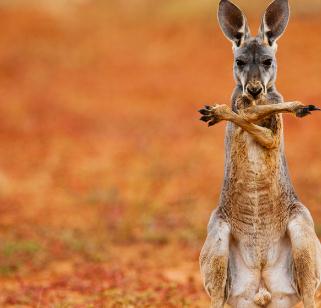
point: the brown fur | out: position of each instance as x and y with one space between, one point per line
260 227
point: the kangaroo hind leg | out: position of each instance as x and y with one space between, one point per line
214 261
306 256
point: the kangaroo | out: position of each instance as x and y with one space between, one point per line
261 249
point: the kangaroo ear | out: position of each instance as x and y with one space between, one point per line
274 21
233 22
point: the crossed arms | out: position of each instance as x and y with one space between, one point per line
247 117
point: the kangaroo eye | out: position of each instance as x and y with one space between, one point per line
240 63
267 62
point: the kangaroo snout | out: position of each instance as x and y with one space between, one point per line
254 88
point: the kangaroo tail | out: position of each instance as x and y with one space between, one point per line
262 297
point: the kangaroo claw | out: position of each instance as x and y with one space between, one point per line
306 110
213 121
204 112
313 108
205 118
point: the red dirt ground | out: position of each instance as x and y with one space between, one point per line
107 177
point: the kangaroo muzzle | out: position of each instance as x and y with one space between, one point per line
254 88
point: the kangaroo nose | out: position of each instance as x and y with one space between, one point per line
254 90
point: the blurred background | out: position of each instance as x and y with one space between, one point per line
107 177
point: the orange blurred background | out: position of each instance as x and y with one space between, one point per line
107 177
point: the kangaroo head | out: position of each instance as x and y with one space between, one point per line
254 56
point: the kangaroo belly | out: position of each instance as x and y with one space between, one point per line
248 276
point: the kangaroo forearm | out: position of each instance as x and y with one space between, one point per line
262 135
259 112
216 113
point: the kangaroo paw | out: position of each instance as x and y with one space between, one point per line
306 110
214 114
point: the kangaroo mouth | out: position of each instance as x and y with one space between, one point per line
255 89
